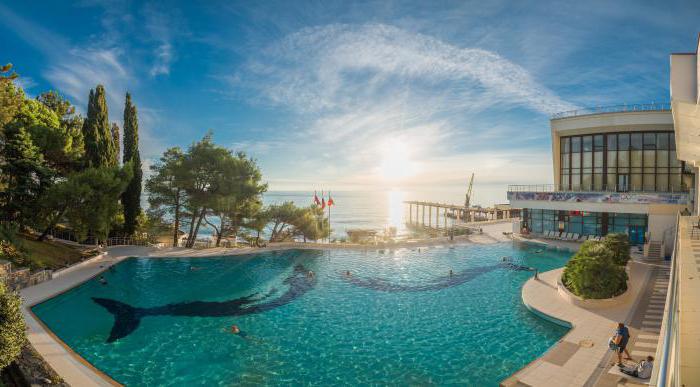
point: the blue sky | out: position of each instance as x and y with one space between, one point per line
354 95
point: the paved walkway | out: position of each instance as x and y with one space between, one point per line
644 326
576 358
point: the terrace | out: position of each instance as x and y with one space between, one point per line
624 108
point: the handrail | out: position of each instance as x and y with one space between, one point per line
554 188
668 325
636 107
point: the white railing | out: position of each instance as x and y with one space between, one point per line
554 188
637 107
667 354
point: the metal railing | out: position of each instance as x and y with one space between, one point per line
667 353
555 188
637 107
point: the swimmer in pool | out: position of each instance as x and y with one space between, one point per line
103 281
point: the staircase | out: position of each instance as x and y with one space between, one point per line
654 250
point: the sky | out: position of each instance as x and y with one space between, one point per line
363 95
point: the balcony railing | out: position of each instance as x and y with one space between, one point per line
620 189
639 107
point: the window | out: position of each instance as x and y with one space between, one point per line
647 159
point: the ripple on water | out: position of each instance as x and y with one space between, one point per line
475 332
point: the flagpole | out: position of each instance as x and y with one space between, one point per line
329 220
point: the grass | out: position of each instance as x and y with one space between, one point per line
50 255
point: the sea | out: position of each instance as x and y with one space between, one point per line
378 210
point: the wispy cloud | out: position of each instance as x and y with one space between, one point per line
160 27
359 88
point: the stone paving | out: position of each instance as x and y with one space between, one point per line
578 358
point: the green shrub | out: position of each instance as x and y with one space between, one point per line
9 252
12 328
619 244
593 274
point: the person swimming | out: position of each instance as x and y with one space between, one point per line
347 273
310 274
451 273
103 281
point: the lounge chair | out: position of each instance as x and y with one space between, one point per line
575 237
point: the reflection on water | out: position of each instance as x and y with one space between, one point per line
397 211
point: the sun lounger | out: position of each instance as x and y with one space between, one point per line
575 237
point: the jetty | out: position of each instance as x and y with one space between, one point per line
442 216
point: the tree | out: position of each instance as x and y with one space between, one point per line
239 196
71 134
99 146
619 244
13 336
592 272
23 173
132 196
115 141
165 187
61 146
257 223
283 218
11 96
205 168
95 200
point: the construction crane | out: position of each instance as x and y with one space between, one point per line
468 198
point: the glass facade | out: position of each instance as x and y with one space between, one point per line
586 223
630 161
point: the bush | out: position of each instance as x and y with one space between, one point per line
619 244
12 329
593 274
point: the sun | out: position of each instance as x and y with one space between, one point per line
396 163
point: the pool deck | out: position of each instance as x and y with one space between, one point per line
76 371
573 361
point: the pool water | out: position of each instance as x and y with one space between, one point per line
399 318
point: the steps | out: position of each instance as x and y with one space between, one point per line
654 251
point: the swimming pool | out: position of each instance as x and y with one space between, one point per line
398 318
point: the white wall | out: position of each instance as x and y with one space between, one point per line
658 226
684 77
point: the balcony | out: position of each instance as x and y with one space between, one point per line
617 195
640 107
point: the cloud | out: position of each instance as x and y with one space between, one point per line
317 69
83 68
358 89
163 57
160 26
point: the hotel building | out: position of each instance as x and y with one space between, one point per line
616 170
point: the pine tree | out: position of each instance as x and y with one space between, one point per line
99 146
131 199
115 141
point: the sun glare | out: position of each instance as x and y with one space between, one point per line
396 163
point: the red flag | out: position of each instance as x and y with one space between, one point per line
330 200
323 203
316 201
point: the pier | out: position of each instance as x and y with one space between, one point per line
440 215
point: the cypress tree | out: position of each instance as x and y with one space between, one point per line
99 146
131 199
115 141
91 136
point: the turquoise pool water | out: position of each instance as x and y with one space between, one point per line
398 319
